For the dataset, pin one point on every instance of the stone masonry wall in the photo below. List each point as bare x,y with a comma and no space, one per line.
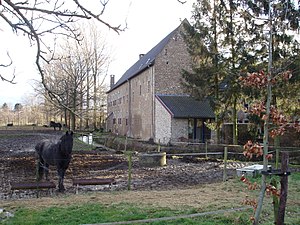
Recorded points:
142,105
138,94
169,65
118,101
162,124
179,129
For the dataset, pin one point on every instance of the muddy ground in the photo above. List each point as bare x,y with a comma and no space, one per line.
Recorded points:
18,164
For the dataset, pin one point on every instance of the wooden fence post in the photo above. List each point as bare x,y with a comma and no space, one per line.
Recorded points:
129,154
206,149
277,149
158,147
225,164
125,147
129,169
284,187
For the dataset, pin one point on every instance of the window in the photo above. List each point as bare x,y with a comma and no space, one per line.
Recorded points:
114,120
140,89
119,121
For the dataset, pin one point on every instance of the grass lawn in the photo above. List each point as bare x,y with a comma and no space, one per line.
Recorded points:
104,207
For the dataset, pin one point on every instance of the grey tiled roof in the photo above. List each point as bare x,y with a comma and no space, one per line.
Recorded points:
183,106
146,61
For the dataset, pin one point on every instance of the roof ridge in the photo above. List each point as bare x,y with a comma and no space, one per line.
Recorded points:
147,60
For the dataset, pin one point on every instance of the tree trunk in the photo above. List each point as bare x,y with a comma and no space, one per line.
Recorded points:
234,122
95,102
87,102
216,77
81,106
266,125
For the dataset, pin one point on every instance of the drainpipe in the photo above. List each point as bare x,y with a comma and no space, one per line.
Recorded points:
153,104
129,109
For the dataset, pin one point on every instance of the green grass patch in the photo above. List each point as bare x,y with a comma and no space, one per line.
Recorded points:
79,145
97,213
91,209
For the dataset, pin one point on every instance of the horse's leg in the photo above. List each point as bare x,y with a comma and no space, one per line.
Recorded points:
61,175
46,169
40,168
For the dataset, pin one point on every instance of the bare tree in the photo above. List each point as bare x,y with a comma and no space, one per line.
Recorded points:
40,19
5,116
77,79
97,61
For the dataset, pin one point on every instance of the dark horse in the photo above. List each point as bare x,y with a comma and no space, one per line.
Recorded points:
54,125
56,154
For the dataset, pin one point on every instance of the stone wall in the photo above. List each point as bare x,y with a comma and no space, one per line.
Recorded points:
169,65
117,110
142,103
136,95
162,124
179,129
133,103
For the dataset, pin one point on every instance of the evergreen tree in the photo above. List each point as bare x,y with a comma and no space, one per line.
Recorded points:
229,39
218,44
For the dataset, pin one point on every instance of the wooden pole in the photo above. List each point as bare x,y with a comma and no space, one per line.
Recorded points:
129,169
277,149
225,164
274,182
158,147
206,149
284,187
125,148
129,153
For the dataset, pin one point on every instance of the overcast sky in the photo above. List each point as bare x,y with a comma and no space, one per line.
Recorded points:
148,22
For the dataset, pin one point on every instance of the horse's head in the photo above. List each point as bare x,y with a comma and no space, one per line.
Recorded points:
67,142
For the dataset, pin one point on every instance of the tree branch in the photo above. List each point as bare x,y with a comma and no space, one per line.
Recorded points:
32,17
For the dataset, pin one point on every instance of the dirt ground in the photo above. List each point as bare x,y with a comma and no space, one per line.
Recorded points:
18,164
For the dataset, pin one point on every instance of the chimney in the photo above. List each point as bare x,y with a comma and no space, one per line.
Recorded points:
141,56
112,81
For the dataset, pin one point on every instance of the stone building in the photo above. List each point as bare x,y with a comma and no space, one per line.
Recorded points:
149,101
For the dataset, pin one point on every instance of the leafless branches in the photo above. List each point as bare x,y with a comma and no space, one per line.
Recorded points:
5,66
39,19
182,2
76,79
